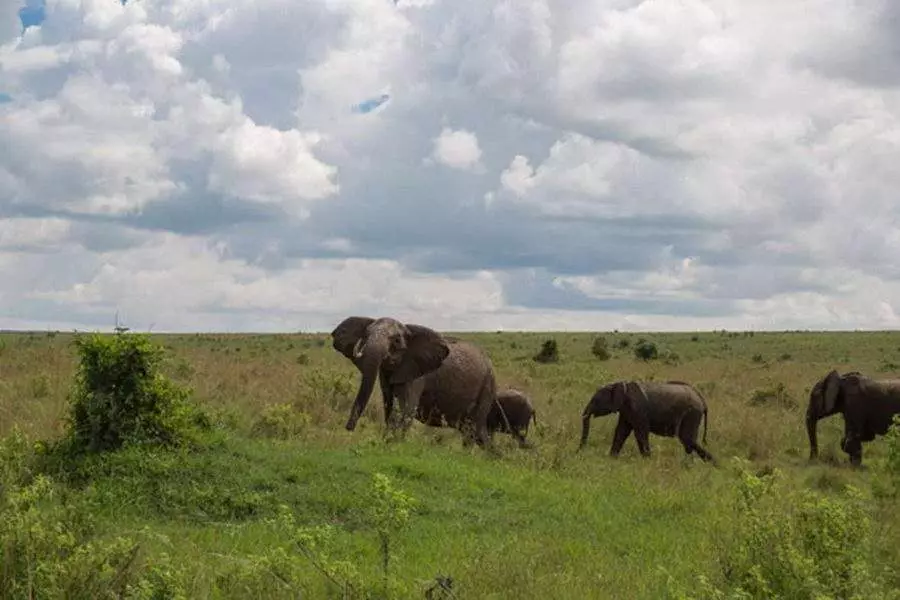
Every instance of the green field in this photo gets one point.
(221, 519)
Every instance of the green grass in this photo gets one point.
(547, 522)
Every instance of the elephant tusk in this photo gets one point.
(358, 348)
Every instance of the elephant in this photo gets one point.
(868, 406)
(512, 413)
(668, 409)
(435, 379)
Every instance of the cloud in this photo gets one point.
(631, 165)
(457, 149)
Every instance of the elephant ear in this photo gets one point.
(347, 333)
(634, 393)
(425, 352)
(619, 396)
(830, 391)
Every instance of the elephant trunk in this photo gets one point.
(811, 426)
(585, 428)
(372, 353)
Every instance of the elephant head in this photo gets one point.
(402, 352)
(825, 399)
(608, 399)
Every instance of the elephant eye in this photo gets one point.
(396, 341)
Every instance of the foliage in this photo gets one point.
(646, 351)
(281, 421)
(600, 349)
(549, 352)
(892, 464)
(120, 397)
(773, 395)
(796, 544)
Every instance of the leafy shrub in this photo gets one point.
(49, 547)
(758, 358)
(695, 338)
(120, 397)
(796, 544)
(549, 352)
(670, 357)
(645, 350)
(280, 421)
(623, 343)
(775, 395)
(599, 348)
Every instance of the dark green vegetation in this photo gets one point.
(260, 492)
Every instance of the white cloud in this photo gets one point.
(457, 149)
(642, 165)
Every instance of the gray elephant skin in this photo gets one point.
(668, 409)
(867, 405)
(512, 413)
(435, 379)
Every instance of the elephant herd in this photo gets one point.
(444, 381)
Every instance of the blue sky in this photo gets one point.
(32, 13)
(579, 165)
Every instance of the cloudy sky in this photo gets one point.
(277, 165)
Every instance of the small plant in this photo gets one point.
(695, 338)
(785, 357)
(623, 343)
(775, 395)
(599, 348)
(280, 421)
(549, 352)
(758, 358)
(119, 395)
(645, 350)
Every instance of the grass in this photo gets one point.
(548, 522)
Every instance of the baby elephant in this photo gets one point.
(511, 413)
(668, 409)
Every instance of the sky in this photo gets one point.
(278, 165)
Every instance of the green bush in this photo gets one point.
(119, 395)
(796, 544)
(549, 352)
(280, 421)
(645, 350)
(600, 348)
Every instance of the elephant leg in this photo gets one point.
(486, 398)
(623, 430)
(688, 431)
(642, 436)
(387, 396)
(408, 395)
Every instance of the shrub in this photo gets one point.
(645, 350)
(796, 544)
(623, 343)
(599, 348)
(280, 421)
(119, 395)
(776, 395)
(549, 352)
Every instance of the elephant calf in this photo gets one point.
(668, 409)
(512, 413)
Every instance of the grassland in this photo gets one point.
(541, 523)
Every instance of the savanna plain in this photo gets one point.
(270, 497)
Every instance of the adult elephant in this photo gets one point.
(434, 378)
(868, 406)
(668, 409)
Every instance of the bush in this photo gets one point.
(600, 349)
(796, 544)
(645, 350)
(119, 395)
(280, 421)
(549, 352)
(623, 343)
(776, 395)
